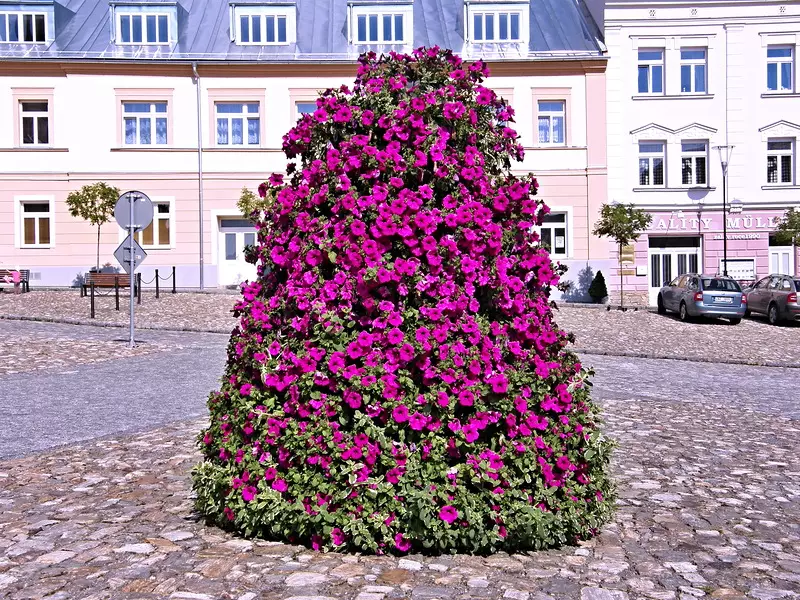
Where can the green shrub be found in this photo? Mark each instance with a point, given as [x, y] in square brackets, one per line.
[598, 290]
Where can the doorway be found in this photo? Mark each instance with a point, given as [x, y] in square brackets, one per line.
[234, 236]
[670, 257]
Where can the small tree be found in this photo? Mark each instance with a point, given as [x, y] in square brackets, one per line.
[252, 206]
[598, 289]
[94, 203]
[787, 232]
[623, 223]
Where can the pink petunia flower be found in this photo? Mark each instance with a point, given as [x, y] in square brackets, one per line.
[448, 514]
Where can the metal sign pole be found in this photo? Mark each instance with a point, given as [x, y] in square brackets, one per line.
[132, 259]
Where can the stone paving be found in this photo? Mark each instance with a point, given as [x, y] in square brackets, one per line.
[709, 507]
[637, 333]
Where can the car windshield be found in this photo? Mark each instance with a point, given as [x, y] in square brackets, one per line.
[722, 285]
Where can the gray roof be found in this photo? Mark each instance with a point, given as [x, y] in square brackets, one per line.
[559, 29]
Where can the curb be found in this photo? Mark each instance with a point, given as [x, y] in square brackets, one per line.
[588, 351]
[696, 359]
[65, 321]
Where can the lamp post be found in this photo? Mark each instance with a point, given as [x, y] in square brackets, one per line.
[724, 158]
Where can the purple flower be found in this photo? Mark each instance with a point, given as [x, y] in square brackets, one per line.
[279, 485]
[400, 414]
[249, 492]
[417, 421]
[401, 543]
[395, 336]
[448, 514]
[338, 536]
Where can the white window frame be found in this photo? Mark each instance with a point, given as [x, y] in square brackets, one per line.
[19, 215]
[692, 64]
[693, 156]
[649, 156]
[550, 114]
[406, 12]
[20, 15]
[245, 116]
[778, 61]
[779, 154]
[35, 115]
[650, 63]
[289, 13]
[170, 200]
[568, 226]
[153, 115]
[484, 8]
[143, 16]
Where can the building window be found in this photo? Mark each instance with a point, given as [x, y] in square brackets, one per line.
[651, 71]
[693, 71]
[499, 26]
[779, 161]
[23, 27]
[552, 122]
[263, 29]
[779, 68]
[143, 29]
[651, 164]
[157, 234]
[694, 161]
[37, 218]
[238, 124]
[553, 233]
[34, 123]
[304, 107]
[144, 123]
[380, 27]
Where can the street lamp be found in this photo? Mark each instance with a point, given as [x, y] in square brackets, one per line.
[724, 158]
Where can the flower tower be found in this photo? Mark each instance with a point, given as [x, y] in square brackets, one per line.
[396, 382]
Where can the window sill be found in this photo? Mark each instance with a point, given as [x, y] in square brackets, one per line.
[34, 149]
[154, 248]
[42, 247]
[780, 95]
[151, 149]
[787, 186]
[554, 147]
[674, 189]
[240, 149]
[672, 96]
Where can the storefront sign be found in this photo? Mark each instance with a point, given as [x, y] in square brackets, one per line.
[713, 222]
[739, 236]
[628, 256]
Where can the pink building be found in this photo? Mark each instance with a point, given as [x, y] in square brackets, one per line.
[189, 105]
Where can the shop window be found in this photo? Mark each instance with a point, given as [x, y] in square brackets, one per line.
[651, 164]
[651, 71]
[553, 234]
[694, 161]
[780, 163]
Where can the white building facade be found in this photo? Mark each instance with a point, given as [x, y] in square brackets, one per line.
[691, 85]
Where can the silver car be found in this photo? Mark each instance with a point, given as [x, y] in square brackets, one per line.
[695, 295]
[776, 297]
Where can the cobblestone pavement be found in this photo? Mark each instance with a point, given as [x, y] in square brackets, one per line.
[639, 333]
[167, 376]
[709, 507]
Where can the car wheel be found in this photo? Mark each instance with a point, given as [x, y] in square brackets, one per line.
[772, 314]
[684, 312]
[662, 310]
[735, 321]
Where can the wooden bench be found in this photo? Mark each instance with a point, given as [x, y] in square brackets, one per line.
[24, 278]
[105, 280]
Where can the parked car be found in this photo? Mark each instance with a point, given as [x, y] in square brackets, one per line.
[776, 297]
[695, 295]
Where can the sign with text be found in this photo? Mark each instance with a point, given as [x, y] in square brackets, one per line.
[698, 222]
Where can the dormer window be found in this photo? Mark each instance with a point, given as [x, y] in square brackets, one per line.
[23, 27]
[497, 23]
[381, 24]
[263, 25]
[145, 23]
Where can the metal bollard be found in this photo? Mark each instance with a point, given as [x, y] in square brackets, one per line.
[139, 287]
[116, 291]
[156, 284]
[173, 279]
[92, 301]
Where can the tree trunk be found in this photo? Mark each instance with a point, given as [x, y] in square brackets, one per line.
[97, 266]
[621, 288]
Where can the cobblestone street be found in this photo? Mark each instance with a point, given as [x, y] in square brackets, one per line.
[706, 465]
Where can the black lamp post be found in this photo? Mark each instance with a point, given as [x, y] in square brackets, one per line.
[724, 158]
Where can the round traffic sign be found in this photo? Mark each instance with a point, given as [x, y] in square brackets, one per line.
[142, 211]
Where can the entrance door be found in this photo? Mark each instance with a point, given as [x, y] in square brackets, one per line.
[781, 260]
[669, 258]
[234, 235]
